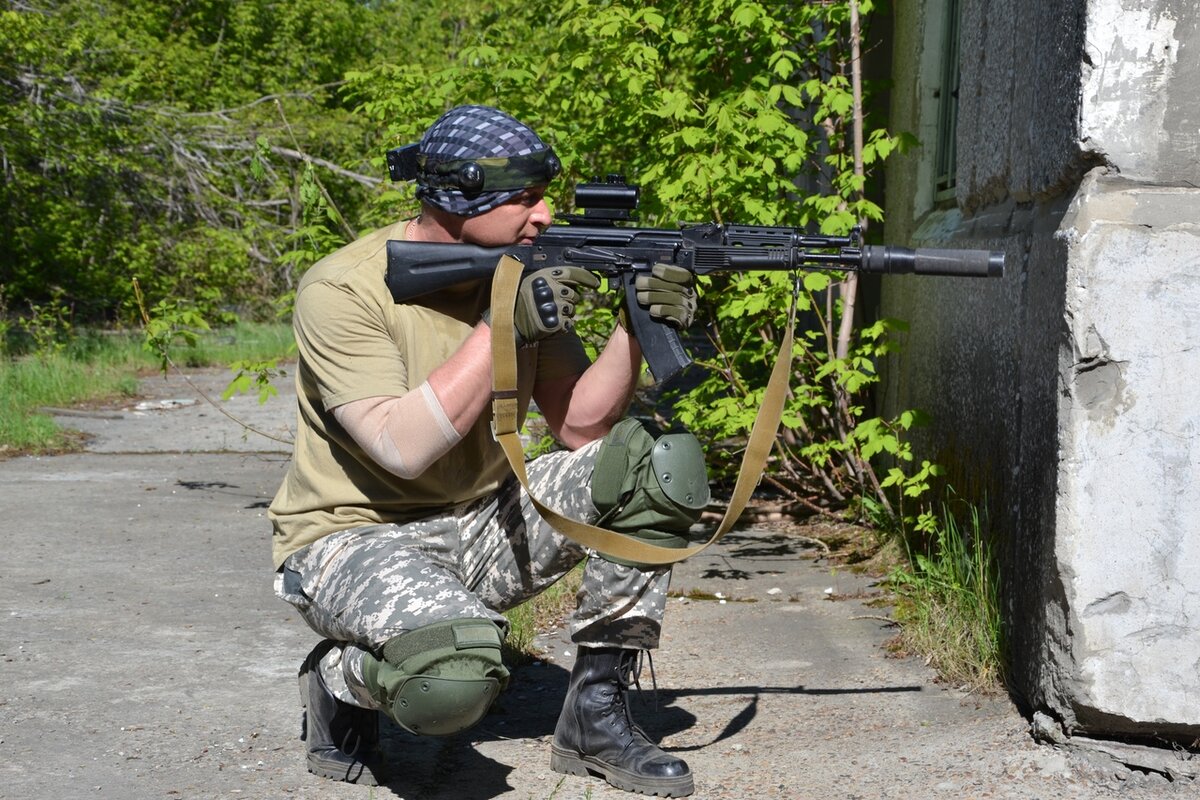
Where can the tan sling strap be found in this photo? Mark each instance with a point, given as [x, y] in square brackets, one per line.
[606, 542]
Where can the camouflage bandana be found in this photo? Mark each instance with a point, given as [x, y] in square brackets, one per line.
[475, 133]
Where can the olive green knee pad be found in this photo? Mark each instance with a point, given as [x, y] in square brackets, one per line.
[439, 679]
[650, 485]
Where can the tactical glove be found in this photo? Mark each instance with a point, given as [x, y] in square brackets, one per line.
[670, 294]
[546, 302]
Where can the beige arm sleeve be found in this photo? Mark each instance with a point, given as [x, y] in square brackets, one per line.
[404, 435]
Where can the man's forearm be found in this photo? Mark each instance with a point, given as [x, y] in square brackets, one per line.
[463, 384]
[603, 393]
[579, 410]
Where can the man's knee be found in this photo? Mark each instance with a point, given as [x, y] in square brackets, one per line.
[650, 485]
[439, 679]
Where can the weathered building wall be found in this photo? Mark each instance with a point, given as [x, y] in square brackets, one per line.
[1129, 501]
[1059, 392]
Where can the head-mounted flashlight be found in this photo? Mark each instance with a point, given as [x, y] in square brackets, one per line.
[476, 175]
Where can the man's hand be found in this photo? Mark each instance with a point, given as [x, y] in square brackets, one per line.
[669, 292]
[546, 302]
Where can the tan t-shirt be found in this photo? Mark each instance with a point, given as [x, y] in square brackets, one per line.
[355, 342]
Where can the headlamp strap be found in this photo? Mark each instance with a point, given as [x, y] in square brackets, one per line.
[472, 176]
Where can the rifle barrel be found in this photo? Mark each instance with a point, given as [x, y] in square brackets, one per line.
[929, 261]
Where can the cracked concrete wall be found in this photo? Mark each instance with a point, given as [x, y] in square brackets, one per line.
[1128, 499]
[1141, 93]
[1060, 393]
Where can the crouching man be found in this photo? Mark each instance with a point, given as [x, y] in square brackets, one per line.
[400, 533]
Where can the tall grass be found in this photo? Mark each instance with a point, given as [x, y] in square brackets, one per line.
[93, 369]
[948, 602]
[57, 379]
[243, 342]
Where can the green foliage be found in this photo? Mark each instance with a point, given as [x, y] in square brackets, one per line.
[167, 143]
[46, 329]
[168, 323]
[210, 152]
[721, 91]
[86, 369]
[948, 598]
[252, 375]
[723, 110]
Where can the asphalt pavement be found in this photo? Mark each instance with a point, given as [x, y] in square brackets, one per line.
[143, 654]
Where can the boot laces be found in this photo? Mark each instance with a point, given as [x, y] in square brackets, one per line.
[351, 743]
[629, 669]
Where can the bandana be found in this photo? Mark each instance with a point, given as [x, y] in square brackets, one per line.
[477, 133]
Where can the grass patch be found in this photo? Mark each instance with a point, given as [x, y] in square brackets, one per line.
[52, 380]
[948, 603]
[95, 369]
[242, 342]
[541, 613]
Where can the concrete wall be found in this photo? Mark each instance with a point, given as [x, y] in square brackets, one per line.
[1129, 423]
[1059, 392]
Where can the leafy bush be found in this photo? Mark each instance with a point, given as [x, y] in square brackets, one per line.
[128, 129]
[224, 146]
[722, 110]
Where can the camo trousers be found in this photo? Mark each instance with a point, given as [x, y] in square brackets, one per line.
[362, 586]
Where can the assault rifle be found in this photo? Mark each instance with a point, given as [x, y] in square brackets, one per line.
[596, 242]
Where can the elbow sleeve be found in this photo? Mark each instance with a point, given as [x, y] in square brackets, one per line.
[404, 435]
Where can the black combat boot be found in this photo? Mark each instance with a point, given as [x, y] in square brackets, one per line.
[596, 734]
[342, 739]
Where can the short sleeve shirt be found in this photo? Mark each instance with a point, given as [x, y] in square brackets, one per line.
[354, 342]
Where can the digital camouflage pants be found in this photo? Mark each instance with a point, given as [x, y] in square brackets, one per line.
[361, 587]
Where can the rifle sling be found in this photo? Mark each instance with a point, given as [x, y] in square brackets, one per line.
[605, 542]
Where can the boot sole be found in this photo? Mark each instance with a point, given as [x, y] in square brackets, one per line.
[357, 773]
[567, 762]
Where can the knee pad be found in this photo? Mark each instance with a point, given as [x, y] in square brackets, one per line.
[648, 484]
[439, 679]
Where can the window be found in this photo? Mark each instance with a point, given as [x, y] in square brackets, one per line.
[946, 158]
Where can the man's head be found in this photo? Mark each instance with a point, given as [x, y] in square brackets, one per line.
[474, 159]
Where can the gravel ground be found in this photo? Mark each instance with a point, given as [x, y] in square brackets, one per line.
[143, 655]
